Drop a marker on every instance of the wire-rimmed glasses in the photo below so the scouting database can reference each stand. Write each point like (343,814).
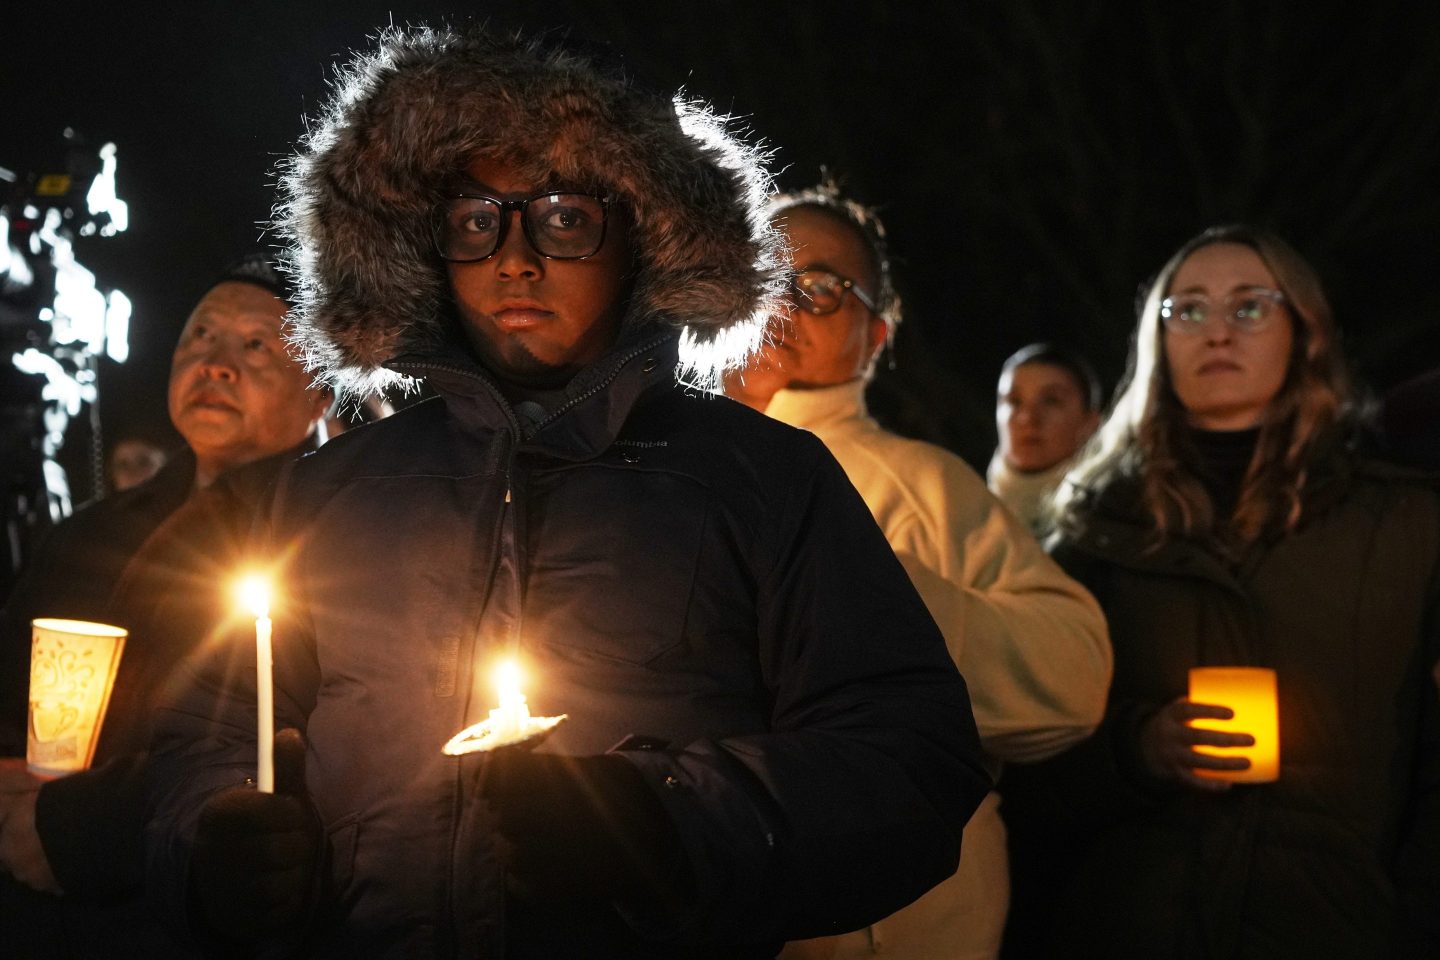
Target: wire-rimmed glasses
(1248,310)
(821,292)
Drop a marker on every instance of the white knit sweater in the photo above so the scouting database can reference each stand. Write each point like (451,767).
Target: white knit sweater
(1025,494)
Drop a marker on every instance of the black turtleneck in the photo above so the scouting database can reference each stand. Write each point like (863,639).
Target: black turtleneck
(1220,459)
(530,403)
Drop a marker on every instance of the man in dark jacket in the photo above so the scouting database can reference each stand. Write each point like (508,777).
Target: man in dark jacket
(766,737)
(151,560)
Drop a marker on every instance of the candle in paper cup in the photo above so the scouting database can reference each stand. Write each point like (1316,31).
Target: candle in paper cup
(507,724)
(255,595)
(1251,693)
(72,671)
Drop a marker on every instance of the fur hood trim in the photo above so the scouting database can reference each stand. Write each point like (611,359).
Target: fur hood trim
(408,116)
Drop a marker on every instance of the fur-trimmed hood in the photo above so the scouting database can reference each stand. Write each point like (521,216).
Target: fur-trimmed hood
(406,117)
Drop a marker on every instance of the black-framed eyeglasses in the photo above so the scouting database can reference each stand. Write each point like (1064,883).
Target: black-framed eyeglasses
(821,292)
(559,226)
(1248,310)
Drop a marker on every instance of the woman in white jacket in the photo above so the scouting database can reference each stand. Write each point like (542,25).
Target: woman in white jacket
(1031,642)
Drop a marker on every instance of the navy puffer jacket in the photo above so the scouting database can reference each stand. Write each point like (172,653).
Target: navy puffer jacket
(674,566)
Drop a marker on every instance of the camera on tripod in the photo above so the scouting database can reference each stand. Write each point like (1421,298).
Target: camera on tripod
(55,324)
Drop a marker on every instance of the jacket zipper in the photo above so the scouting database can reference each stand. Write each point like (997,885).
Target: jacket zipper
(454,934)
(506,517)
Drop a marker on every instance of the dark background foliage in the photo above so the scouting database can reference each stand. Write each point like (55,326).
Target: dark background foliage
(1034,161)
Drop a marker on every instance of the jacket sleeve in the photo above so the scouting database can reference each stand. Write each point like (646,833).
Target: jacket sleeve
(1102,778)
(1030,641)
(93,810)
(853,803)
(1417,874)
(15,640)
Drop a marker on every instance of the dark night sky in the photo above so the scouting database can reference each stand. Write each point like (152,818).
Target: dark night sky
(1034,164)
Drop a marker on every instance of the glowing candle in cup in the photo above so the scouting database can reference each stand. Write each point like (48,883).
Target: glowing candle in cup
(509,723)
(255,595)
(72,672)
(1250,692)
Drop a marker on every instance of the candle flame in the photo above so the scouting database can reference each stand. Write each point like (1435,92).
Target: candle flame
(254,594)
(507,682)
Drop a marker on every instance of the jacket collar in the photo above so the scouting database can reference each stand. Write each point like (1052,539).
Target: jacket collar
(1117,527)
(595,406)
(821,407)
(163,493)
(249,482)
(174,483)
(1008,482)
(1026,494)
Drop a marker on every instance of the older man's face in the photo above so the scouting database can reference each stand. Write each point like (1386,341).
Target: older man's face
(236,393)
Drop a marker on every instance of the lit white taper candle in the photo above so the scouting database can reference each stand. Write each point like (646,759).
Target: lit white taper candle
(255,594)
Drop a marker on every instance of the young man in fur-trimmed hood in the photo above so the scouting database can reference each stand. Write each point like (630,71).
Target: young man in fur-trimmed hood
(766,737)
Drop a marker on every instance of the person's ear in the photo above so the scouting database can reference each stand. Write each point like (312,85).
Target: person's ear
(322,400)
(878,331)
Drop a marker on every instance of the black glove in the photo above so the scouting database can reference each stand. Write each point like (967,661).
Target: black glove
(582,827)
(254,865)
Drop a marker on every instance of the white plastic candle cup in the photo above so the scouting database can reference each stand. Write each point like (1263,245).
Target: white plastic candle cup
(72,671)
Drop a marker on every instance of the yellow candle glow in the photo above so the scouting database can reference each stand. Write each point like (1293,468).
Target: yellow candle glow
(255,596)
(1250,692)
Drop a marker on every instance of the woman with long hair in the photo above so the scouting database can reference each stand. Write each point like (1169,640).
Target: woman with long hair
(1221,518)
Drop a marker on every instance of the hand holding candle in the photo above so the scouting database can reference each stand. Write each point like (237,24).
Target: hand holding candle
(255,595)
(1250,693)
